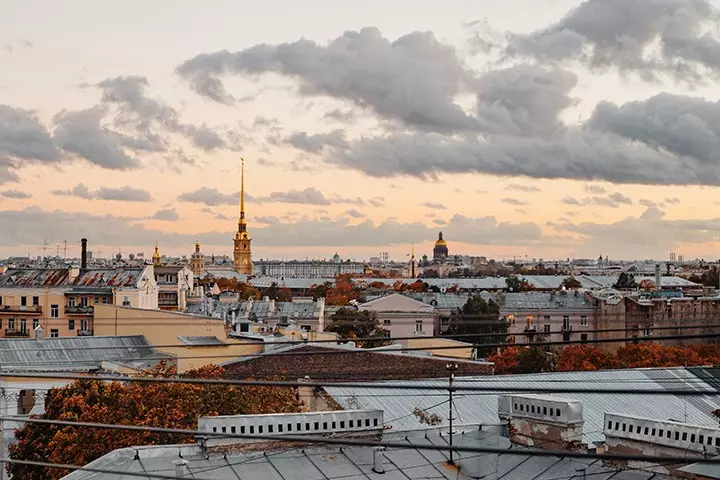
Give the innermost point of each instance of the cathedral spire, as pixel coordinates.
(242, 256)
(241, 220)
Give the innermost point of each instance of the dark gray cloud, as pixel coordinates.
(316, 143)
(147, 116)
(341, 116)
(685, 126)
(414, 78)
(166, 214)
(613, 200)
(210, 197)
(354, 213)
(23, 138)
(618, 33)
(16, 194)
(524, 99)
(81, 133)
(434, 206)
(523, 188)
(121, 194)
(514, 201)
(581, 155)
(308, 196)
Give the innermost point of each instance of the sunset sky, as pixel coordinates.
(546, 128)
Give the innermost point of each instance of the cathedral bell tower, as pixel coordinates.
(242, 257)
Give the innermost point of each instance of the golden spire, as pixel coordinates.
(242, 190)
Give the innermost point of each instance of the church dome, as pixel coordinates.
(440, 252)
(440, 242)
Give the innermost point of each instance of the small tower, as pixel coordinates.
(242, 253)
(412, 262)
(440, 251)
(156, 255)
(197, 261)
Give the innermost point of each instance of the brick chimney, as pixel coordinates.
(83, 254)
(544, 422)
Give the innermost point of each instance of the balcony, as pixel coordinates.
(26, 309)
(168, 302)
(11, 332)
(85, 333)
(80, 310)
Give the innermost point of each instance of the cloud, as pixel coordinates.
(166, 214)
(439, 221)
(672, 201)
(619, 34)
(16, 194)
(309, 196)
(523, 99)
(685, 126)
(145, 115)
(595, 189)
(434, 206)
(341, 116)
(414, 78)
(81, 133)
(514, 201)
(122, 194)
(316, 143)
(354, 213)
(23, 138)
(523, 188)
(377, 202)
(575, 154)
(649, 203)
(221, 216)
(211, 197)
(613, 200)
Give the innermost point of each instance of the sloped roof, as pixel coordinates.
(200, 341)
(34, 277)
(396, 302)
(109, 277)
(519, 301)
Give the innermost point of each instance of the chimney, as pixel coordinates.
(180, 467)
(83, 254)
(378, 458)
(549, 423)
(39, 334)
(658, 277)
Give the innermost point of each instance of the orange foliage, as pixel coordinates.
(170, 405)
(653, 355)
(582, 358)
(506, 361)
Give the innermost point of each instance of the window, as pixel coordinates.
(677, 435)
(610, 425)
(583, 337)
(624, 426)
(36, 323)
(54, 333)
(0, 300)
(260, 429)
(386, 333)
(324, 425)
(280, 428)
(547, 318)
(36, 301)
(544, 410)
(224, 429)
(661, 432)
(515, 405)
(668, 434)
(418, 326)
(105, 300)
(701, 439)
(566, 322)
(546, 328)
(692, 438)
(252, 429)
(709, 440)
(717, 441)
(84, 325)
(375, 422)
(317, 425)
(334, 425)
(83, 301)
(54, 311)
(270, 429)
(23, 301)
(71, 302)
(653, 432)
(557, 412)
(583, 320)
(232, 429)
(97, 300)
(351, 424)
(532, 408)
(342, 424)
(71, 324)
(367, 422)
(387, 322)
(11, 323)
(23, 325)
(647, 429)
(617, 425)
(630, 428)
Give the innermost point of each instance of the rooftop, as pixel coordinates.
(514, 301)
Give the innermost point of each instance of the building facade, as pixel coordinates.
(175, 283)
(197, 261)
(402, 316)
(306, 269)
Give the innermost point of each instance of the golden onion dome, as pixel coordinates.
(441, 243)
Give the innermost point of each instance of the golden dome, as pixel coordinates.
(440, 242)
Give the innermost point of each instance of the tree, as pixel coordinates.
(477, 317)
(574, 358)
(518, 360)
(512, 284)
(247, 292)
(645, 355)
(171, 405)
(571, 283)
(349, 324)
(625, 281)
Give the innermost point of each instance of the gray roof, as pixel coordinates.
(198, 341)
(282, 309)
(398, 404)
(71, 353)
(356, 463)
(521, 301)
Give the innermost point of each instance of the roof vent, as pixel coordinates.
(39, 333)
(378, 460)
(181, 467)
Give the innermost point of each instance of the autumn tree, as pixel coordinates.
(281, 294)
(478, 317)
(515, 284)
(571, 283)
(518, 360)
(247, 292)
(349, 324)
(645, 355)
(574, 358)
(170, 405)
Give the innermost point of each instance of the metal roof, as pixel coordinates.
(356, 463)
(199, 341)
(72, 352)
(520, 301)
(261, 309)
(109, 277)
(34, 277)
(473, 408)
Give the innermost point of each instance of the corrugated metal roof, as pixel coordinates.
(519, 301)
(109, 277)
(199, 341)
(34, 277)
(482, 408)
(261, 309)
(71, 352)
(356, 463)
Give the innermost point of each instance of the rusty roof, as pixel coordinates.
(34, 277)
(109, 277)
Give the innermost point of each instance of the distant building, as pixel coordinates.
(306, 269)
(242, 251)
(440, 251)
(175, 282)
(197, 261)
(402, 316)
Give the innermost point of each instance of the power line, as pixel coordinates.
(364, 443)
(379, 385)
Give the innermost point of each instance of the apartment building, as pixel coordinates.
(175, 282)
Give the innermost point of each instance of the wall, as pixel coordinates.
(46, 298)
(163, 328)
(431, 344)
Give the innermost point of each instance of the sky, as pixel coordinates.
(548, 129)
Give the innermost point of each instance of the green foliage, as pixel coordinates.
(625, 281)
(571, 283)
(478, 318)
